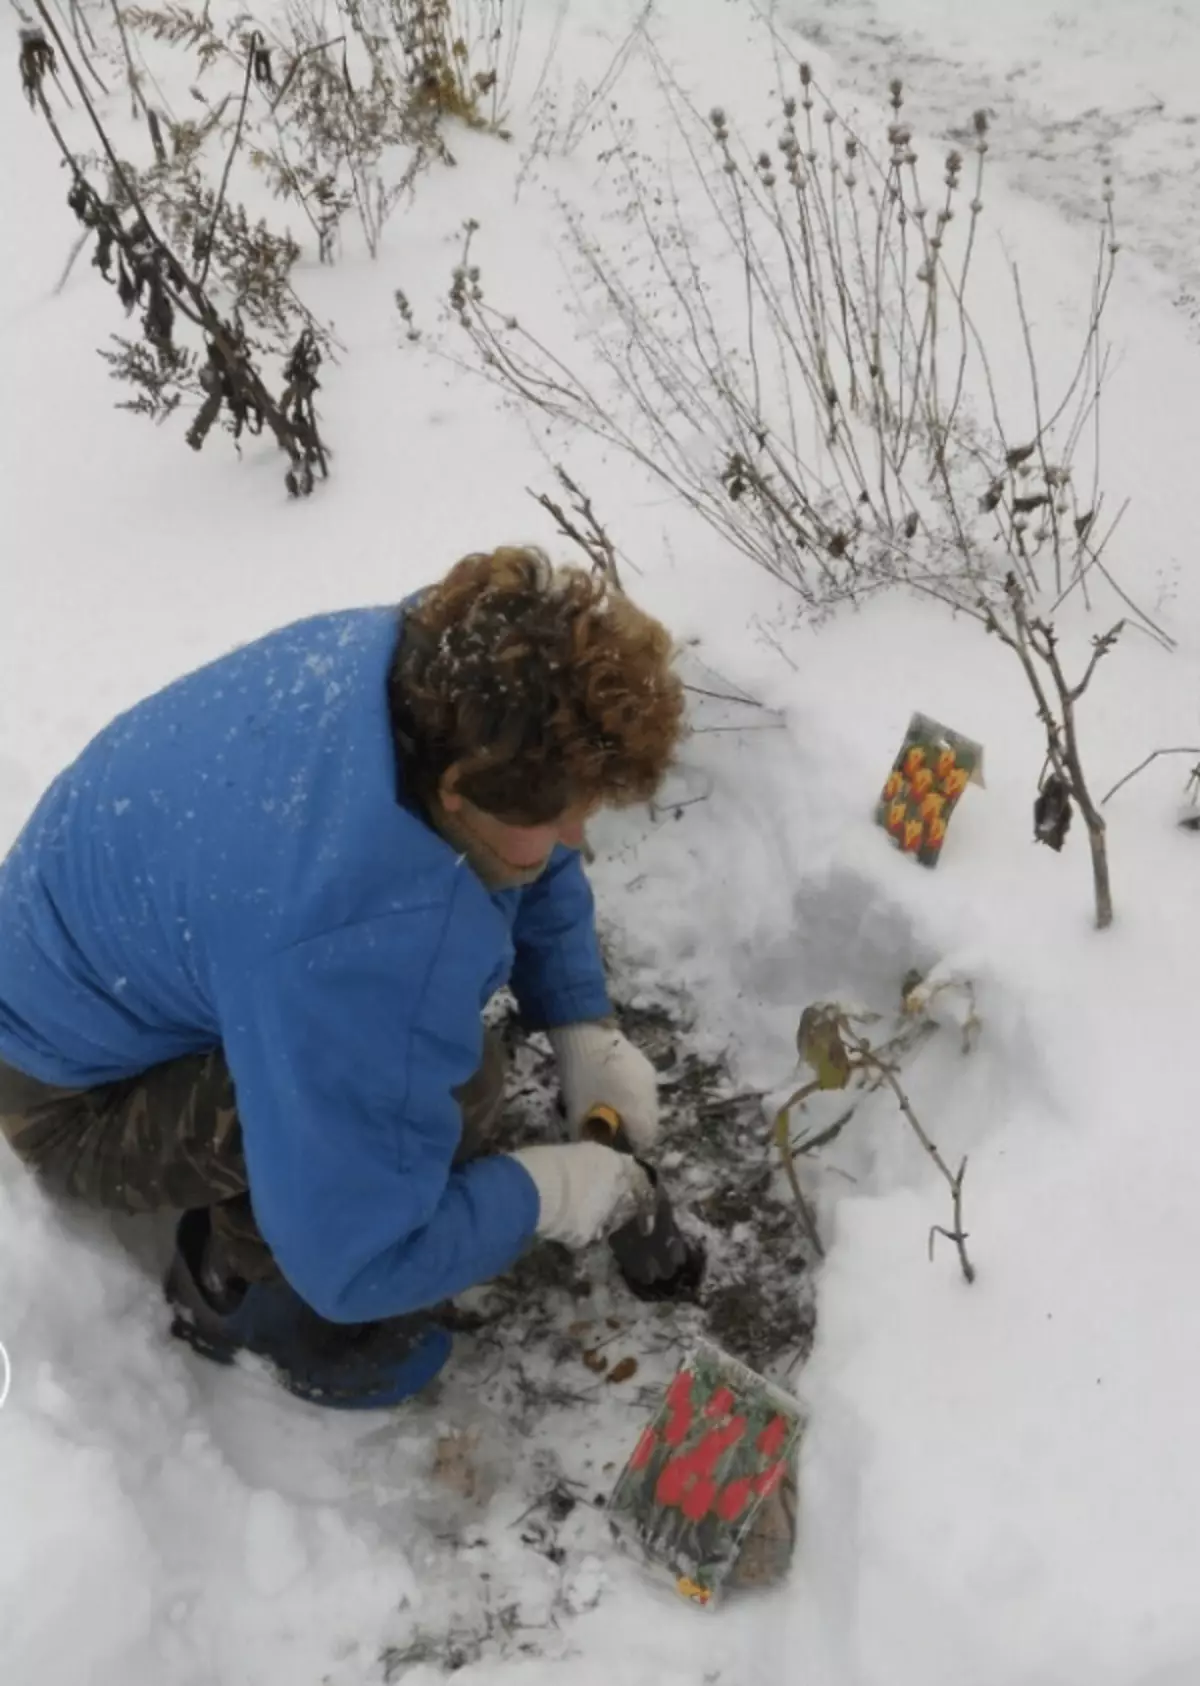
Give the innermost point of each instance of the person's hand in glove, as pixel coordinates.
(586, 1190)
(599, 1066)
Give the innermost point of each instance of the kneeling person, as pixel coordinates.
(247, 937)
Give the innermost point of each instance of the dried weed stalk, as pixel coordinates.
(326, 113)
(785, 340)
(460, 56)
(176, 251)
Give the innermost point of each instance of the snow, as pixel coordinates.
(998, 1482)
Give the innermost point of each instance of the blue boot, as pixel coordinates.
(365, 1366)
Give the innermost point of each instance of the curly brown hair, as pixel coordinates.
(546, 687)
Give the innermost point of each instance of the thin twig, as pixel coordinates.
(723, 696)
(1142, 765)
(955, 1180)
(594, 541)
(251, 51)
(783, 1142)
(336, 41)
(135, 92)
(78, 18)
(72, 255)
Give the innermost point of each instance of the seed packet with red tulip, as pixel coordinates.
(933, 768)
(721, 1447)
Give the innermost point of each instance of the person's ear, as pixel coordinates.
(448, 792)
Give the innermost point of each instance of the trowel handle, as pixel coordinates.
(603, 1125)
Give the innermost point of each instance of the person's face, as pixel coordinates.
(523, 848)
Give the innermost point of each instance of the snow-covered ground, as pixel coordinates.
(999, 1484)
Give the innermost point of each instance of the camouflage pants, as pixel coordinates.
(170, 1139)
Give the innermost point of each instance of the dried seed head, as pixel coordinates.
(789, 108)
(805, 74)
(980, 120)
(851, 147)
(763, 161)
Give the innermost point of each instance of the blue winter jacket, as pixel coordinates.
(231, 862)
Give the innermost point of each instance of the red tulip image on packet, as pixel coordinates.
(707, 1500)
(933, 768)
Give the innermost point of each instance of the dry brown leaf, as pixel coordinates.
(621, 1372)
(596, 1361)
(454, 1462)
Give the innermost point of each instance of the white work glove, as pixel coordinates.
(599, 1066)
(586, 1190)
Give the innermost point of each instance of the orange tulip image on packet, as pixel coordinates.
(933, 768)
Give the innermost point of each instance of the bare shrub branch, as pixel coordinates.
(1035, 644)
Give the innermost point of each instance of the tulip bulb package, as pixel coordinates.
(933, 768)
(708, 1497)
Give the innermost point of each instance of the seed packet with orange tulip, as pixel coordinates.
(721, 1446)
(933, 768)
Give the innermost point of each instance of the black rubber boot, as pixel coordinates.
(364, 1366)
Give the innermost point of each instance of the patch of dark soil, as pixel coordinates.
(718, 1167)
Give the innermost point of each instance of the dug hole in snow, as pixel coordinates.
(997, 1483)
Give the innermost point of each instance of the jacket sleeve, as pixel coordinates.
(558, 974)
(345, 1051)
